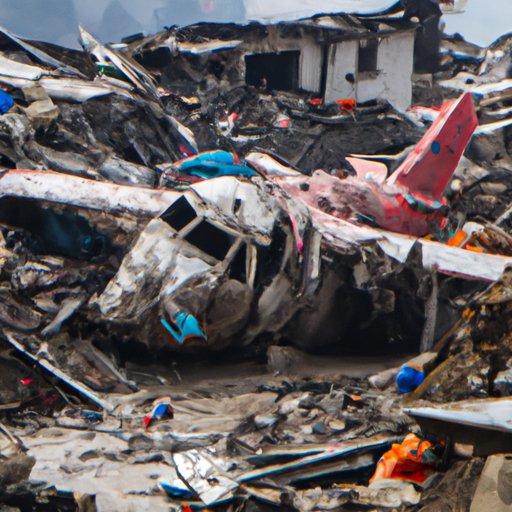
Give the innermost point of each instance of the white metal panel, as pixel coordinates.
(310, 67)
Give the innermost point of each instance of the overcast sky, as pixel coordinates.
(482, 22)
(110, 20)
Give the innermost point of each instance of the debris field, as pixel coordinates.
(229, 283)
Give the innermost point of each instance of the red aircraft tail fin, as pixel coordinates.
(430, 165)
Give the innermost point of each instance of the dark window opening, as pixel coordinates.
(368, 51)
(179, 214)
(158, 58)
(269, 259)
(273, 70)
(210, 239)
(325, 69)
(238, 265)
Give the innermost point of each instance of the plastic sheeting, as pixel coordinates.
(271, 11)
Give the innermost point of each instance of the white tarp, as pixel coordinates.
(271, 11)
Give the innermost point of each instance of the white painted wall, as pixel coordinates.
(310, 67)
(342, 59)
(395, 61)
(392, 82)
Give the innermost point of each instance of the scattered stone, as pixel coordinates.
(15, 470)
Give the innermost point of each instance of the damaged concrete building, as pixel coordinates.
(330, 56)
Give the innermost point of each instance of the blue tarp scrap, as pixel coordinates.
(6, 102)
(212, 164)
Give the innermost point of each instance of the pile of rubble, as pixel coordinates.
(187, 218)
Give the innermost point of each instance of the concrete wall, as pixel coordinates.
(392, 81)
(341, 60)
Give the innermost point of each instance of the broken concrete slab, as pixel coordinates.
(16, 470)
(494, 490)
